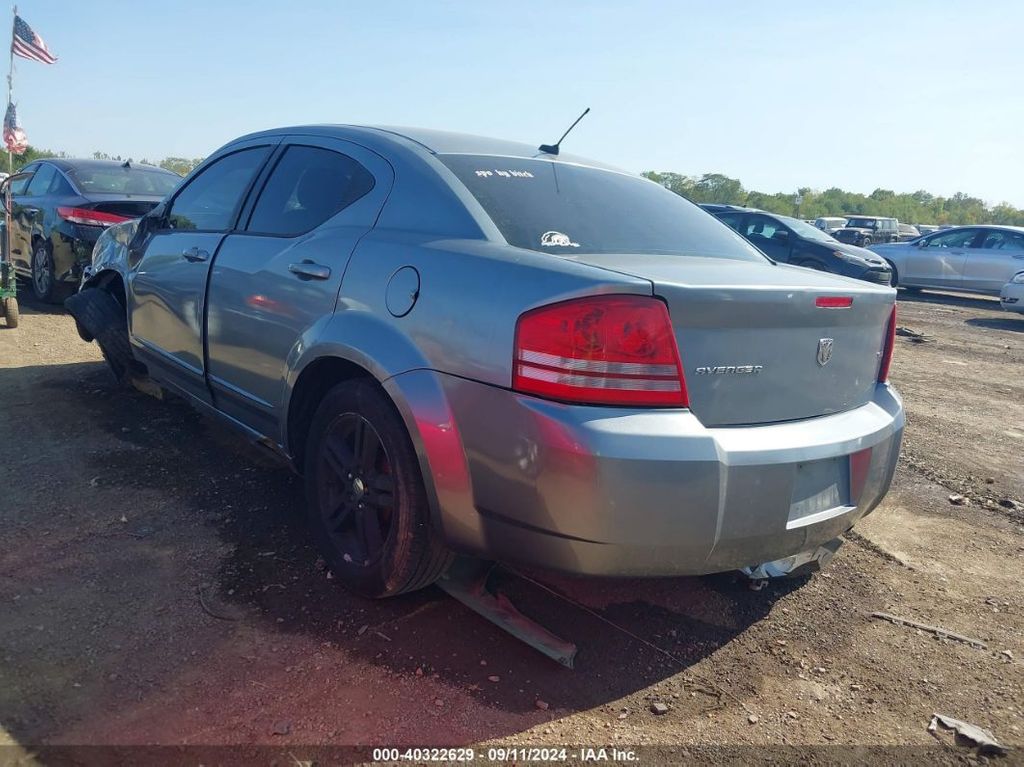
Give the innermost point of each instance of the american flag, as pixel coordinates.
(28, 44)
(14, 137)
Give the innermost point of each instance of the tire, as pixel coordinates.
(866, 242)
(98, 315)
(11, 313)
(365, 499)
(44, 276)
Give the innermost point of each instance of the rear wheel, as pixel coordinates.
(45, 285)
(366, 501)
(11, 313)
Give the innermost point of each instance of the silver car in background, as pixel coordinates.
(469, 345)
(971, 259)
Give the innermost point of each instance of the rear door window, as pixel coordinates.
(308, 186)
(40, 183)
(999, 239)
(565, 209)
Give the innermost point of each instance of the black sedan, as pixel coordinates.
(792, 241)
(59, 211)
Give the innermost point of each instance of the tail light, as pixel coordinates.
(601, 350)
(90, 217)
(890, 342)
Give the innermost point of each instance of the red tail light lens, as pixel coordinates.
(601, 350)
(890, 342)
(834, 302)
(90, 217)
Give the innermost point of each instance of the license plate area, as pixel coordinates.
(821, 489)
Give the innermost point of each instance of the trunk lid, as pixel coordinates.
(750, 336)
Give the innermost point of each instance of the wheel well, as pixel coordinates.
(316, 379)
(894, 280)
(112, 282)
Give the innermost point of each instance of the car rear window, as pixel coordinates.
(122, 180)
(556, 207)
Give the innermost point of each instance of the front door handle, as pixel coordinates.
(310, 270)
(195, 254)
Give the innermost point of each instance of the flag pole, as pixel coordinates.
(10, 87)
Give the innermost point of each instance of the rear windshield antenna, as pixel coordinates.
(553, 148)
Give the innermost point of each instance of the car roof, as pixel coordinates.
(436, 142)
(71, 163)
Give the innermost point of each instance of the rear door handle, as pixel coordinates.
(310, 270)
(195, 254)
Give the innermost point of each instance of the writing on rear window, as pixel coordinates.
(504, 173)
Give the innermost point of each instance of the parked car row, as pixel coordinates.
(469, 346)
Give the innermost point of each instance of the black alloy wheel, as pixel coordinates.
(356, 489)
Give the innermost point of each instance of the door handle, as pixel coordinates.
(310, 270)
(1019, 256)
(195, 254)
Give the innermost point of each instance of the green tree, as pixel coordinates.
(180, 165)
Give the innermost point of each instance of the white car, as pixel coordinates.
(1012, 295)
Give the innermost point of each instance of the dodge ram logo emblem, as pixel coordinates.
(824, 351)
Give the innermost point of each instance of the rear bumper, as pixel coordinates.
(603, 491)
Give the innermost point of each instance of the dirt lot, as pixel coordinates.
(130, 523)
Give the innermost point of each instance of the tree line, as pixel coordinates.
(910, 207)
(180, 165)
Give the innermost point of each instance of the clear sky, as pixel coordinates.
(904, 94)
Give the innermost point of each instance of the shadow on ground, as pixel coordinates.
(191, 487)
(961, 300)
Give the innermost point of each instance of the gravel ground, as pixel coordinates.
(157, 587)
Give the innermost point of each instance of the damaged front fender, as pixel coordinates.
(111, 253)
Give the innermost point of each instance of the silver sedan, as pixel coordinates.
(477, 346)
(972, 259)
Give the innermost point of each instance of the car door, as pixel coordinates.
(26, 213)
(768, 234)
(937, 261)
(168, 284)
(998, 256)
(274, 283)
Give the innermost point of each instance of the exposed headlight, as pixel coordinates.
(849, 257)
(1018, 278)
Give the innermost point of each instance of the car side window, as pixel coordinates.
(958, 238)
(211, 200)
(308, 186)
(761, 227)
(18, 187)
(60, 186)
(40, 183)
(1003, 240)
